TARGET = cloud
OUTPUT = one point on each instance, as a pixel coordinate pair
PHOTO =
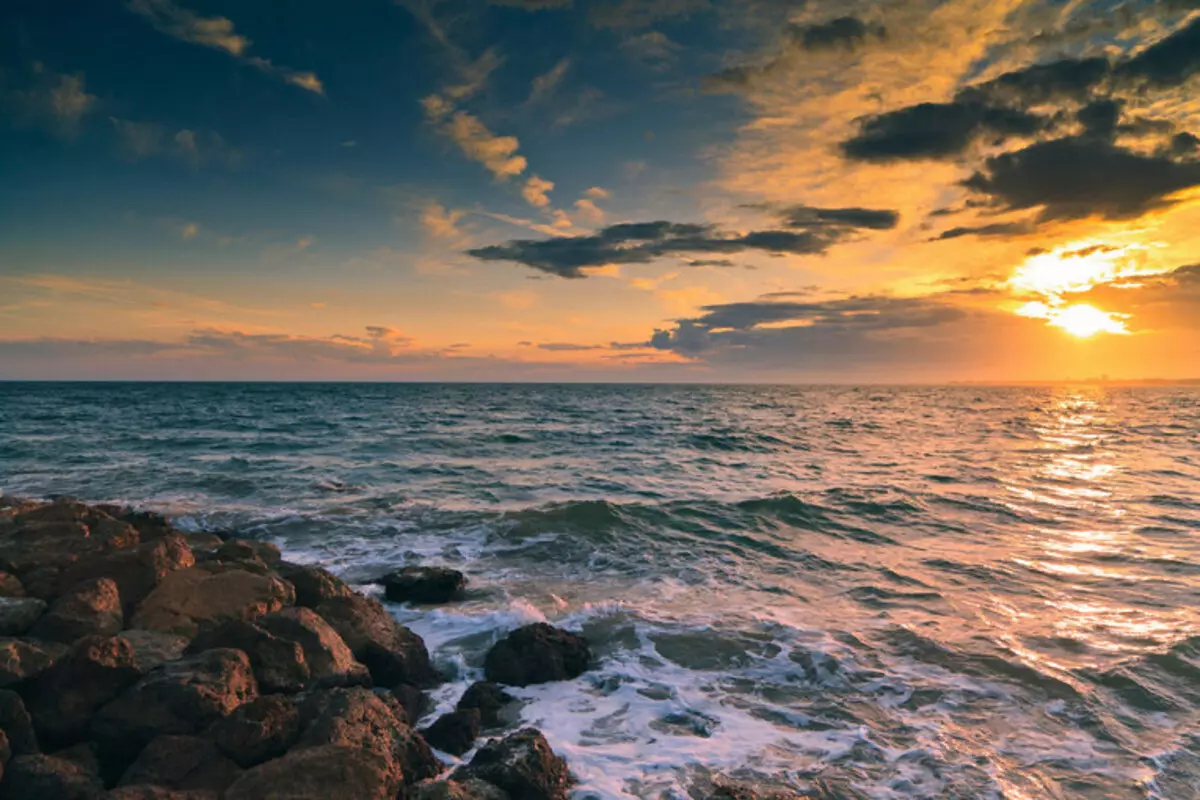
(56, 102)
(217, 33)
(532, 5)
(441, 222)
(936, 130)
(544, 85)
(843, 32)
(810, 217)
(1169, 62)
(497, 153)
(536, 191)
(991, 229)
(596, 193)
(138, 140)
(654, 48)
(633, 14)
(589, 212)
(567, 347)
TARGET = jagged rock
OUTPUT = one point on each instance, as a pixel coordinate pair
(364, 720)
(64, 698)
(206, 595)
(537, 653)
(150, 525)
(18, 614)
(5, 751)
(414, 701)
(425, 585)
(204, 541)
(342, 773)
(10, 585)
(522, 765)
(468, 789)
(181, 762)
(21, 661)
(257, 731)
(247, 550)
(314, 585)
(454, 733)
(90, 608)
(42, 776)
(152, 648)
(392, 653)
(489, 698)
(329, 659)
(144, 792)
(17, 723)
(279, 664)
(180, 697)
(136, 571)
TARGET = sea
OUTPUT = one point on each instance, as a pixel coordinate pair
(855, 592)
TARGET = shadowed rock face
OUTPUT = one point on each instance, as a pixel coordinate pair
(314, 585)
(424, 585)
(455, 732)
(537, 653)
(182, 762)
(91, 608)
(392, 653)
(489, 699)
(38, 776)
(18, 614)
(331, 771)
(522, 765)
(467, 789)
(258, 731)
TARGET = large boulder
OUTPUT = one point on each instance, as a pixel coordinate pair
(467, 789)
(248, 550)
(522, 765)
(21, 661)
(90, 608)
(392, 653)
(10, 585)
(537, 653)
(136, 571)
(144, 792)
(489, 699)
(330, 661)
(454, 733)
(38, 776)
(178, 698)
(18, 614)
(203, 596)
(18, 724)
(181, 762)
(150, 525)
(279, 664)
(64, 698)
(152, 648)
(257, 731)
(314, 585)
(414, 701)
(424, 585)
(317, 773)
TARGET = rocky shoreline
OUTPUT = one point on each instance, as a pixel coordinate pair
(139, 662)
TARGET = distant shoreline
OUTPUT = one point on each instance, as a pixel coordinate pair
(1113, 382)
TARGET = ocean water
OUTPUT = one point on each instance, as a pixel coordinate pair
(855, 592)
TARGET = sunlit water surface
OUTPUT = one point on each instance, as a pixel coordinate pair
(884, 593)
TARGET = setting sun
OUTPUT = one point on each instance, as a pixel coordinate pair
(1086, 321)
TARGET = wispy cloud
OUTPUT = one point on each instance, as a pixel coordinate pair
(137, 140)
(547, 83)
(53, 101)
(536, 191)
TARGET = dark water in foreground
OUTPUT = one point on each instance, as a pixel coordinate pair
(889, 593)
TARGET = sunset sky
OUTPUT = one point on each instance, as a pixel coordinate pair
(636, 190)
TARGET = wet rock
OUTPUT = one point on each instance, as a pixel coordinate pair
(150, 525)
(247, 550)
(278, 664)
(90, 608)
(22, 661)
(537, 653)
(414, 701)
(136, 571)
(42, 776)
(454, 733)
(178, 698)
(17, 723)
(330, 661)
(392, 653)
(469, 789)
(152, 648)
(522, 765)
(314, 585)
(424, 585)
(18, 614)
(257, 731)
(204, 542)
(144, 792)
(10, 585)
(490, 699)
(181, 762)
(330, 771)
(206, 595)
(63, 700)
(364, 720)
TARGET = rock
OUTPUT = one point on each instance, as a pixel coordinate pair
(22, 661)
(414, 701)
(10, 585)
(522, 765)
(246, 550)
(489, 698)
(537, 653)
(18, 614)
(364, 720)
(182, 762)
(454, 733)
(206, 595)
(137, 571)
(392, 653)
(316, 773)
(204, 541)
(257, 731)
(150, 525)
(144, 792)
(152, 648)
(41, 776)
(424, 585)
(180, 697)
(91, 608)
(63, 700)
(5, 751)
(468, 789)
(314, 585)
(278, 664)
(329, 659)
(17, 723)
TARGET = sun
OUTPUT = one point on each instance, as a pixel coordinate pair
(1084, 321)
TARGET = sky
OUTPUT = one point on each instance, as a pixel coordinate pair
(608, 190)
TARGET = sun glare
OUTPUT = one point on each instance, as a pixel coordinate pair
(1085, 321)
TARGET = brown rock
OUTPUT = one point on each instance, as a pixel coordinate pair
(392, 653)
(22, 661)
(424, 585)
(63, 700)
(319, 773)
(136, 571)
(144, 792)
(490, 699)
(181, 762)
(278, 664)
(5, 751)
(10, 585)
(247, 550)
(150, 525)
(90, 608)
(179, 697)
(314, 585)
(537, 653)
(468, 789)
(329, 659)
(152, 648)
(204, 541)
(258, 731)
(17, 723)
(206, 595)
(454, 733)
(414, 701)
(522, 765)
(41, 776)
(18, 614)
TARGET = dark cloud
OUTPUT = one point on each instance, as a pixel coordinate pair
(936, 130)
(811, 217)
(1065, 79)
(1168, 62)
(1078, 177)
(532, 5)
(1100, 118)
(567, 347)
(992, 229)
(846, 32)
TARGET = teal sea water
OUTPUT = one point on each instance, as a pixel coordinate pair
(865, 592)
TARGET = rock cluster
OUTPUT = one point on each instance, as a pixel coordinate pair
(138, 662)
